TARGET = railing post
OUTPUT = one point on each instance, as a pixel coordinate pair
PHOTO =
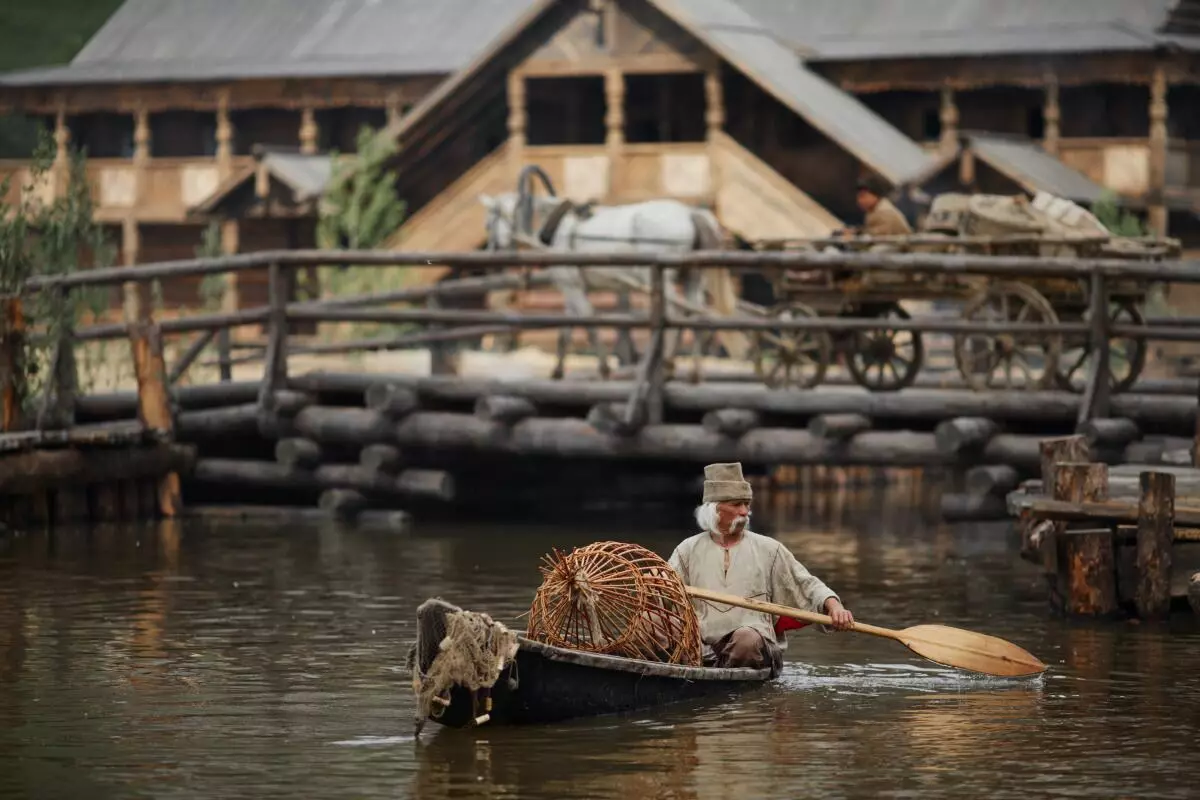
(1096, 397)
(154, 402)
(658, 319)
(275, 366)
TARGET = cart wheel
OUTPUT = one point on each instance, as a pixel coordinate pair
(1008, 360)
(883, 359)
(787, 358)
(1126, 356)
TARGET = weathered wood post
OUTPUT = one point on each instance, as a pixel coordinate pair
(154, 402)
(275, 364)
(658, 344)
(1056, 451)
(1096, 396)
(1087, 555)
(1155, 534)
(12, 362)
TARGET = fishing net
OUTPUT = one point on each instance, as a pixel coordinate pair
(456, 648)
(618, 599)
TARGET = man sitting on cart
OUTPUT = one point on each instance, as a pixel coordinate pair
(881, 217)
(726, 556)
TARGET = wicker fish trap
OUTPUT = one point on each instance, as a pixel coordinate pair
(618, 599)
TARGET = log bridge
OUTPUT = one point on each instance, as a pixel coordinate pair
(368, 447)
(1111, 540)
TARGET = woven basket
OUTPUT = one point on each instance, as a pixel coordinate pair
(618, 599)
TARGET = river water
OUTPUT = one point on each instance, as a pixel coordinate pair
(234, 661)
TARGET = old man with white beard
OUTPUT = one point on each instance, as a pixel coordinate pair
(726, 556)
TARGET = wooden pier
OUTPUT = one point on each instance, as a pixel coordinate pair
(1110, 540)
(361, 447)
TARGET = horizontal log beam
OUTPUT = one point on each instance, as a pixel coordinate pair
(909, 405)
(1178, 271)
(576, 438)
(376, 519)
(1110, 511)
(42, 469)
(433, 484)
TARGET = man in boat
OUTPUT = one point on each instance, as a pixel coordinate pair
(726, 556)
(880, 215)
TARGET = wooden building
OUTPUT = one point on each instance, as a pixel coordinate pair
(765, 110)
(171, 99)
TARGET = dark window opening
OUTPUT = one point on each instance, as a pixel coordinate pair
(1001, 109)
(271, 127)
(565, 110)
(1035, 123)
(103, 135)
(339, 127)
(931, 124)
(1105, 111)
(181, 134)
(665, 108)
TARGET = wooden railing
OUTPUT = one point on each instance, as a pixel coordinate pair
(445, 325)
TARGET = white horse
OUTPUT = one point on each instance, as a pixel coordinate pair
(654, 226)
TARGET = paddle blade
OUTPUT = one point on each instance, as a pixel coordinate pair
(977, 652)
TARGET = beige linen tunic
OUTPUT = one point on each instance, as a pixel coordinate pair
(760, 568)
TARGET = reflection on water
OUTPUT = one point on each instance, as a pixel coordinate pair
(247, 662)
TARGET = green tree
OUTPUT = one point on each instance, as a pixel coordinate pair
(359, 210)
(40, 238)
(1118, 219)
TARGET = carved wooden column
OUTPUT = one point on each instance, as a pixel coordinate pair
(309, 132)
(1156, 199)
(614, 122)
(714, 121)
(949, 120)
(393, 107)
(516, 123)
(1051, 116)
(224, 137)
(62, 143)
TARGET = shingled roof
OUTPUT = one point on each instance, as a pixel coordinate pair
(845, 30)
(196, 40)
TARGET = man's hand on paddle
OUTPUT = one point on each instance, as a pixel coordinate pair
(843, 620)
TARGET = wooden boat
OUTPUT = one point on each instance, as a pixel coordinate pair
(550, 684)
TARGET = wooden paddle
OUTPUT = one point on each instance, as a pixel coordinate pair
(951, 647)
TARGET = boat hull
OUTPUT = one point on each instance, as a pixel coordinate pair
(548, 684)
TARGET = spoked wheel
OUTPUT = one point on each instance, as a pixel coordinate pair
(792, 358)
(1008, 360)
(1126, 356)
(885, 359)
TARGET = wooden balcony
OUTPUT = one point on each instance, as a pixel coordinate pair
(640, 172)
(160, 191)
(1123, 165)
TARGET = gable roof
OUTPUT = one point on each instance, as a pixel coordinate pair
(840, 30)
(1023, 161)
(305, 177)
(193, 40)
(749, 47)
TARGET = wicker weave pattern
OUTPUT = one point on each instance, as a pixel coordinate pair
(615, 598)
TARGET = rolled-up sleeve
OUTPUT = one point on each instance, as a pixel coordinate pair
(793, 585)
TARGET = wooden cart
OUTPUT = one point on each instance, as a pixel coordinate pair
(888, 360)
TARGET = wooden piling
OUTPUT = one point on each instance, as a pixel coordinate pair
(1155, 533)
(1087, 556)
(1193, 593)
